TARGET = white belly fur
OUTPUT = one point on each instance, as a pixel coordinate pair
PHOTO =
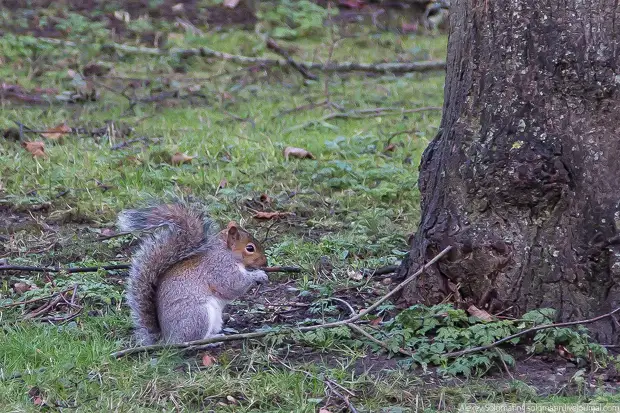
(214, 308)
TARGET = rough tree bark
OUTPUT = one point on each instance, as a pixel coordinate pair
(523, 178)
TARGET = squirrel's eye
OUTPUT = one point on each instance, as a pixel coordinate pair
(250, 248)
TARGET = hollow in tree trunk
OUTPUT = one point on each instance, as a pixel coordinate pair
(523, 178)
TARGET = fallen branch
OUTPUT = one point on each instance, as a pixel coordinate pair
(23, 268)
(380, 271)
(272, 45)
(529, 330)
(362, 114)
(73, 270)
(384, 68)
(287, 331)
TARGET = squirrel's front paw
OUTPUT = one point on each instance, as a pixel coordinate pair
(260, 276)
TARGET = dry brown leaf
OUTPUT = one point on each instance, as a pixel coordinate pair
(386, 281)
(481, 314)
(271, 215)
(265, 199)
(57, 132)
(122, 16)
(297, 153)
(231, 4)
(223, 183)
(376, 321)
(208, 360)
(181, 158)
(37, 149)
(354, 275)
(231, 400)
(107, 232)
(389, 148)
(21, 288)
(324, 410)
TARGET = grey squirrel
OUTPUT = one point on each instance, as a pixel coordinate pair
(183, 275)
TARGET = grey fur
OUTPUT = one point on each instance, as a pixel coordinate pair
(168, 301)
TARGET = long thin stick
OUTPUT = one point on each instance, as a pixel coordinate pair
(110, 268)
(290, 330)
(68, 270)
(529, 330)
(395, 67)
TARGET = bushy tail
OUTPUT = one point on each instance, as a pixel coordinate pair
(180, 233)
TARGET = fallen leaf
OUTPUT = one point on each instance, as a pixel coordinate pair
(181, 158)
(481, 314)
(208, 360)
(223, 183)
(355, 275)
(271, 215)
(265, 199)
(122, 16)
(35, 396)
(409, 27)
(389, 148)
(231, 400)
(297, 153)
(37, 149)
(96, 69)
(324, 410)
(376, 321)
(107, 232)
(352, 4)
(57, 132)
(21, 288)
(386, 281)
(231, 4)
(178, 7)
(563, 352)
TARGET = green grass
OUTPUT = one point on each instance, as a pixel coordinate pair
(354, 204)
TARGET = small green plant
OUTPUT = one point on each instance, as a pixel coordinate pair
(432, 332)
(291, 19)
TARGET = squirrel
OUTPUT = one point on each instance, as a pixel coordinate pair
(183, 275)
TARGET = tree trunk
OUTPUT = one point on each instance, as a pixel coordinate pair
(523, 178)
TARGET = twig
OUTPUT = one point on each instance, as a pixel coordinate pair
(19, 375)
(67, 270)
(499, 353)
(380, 271)
(344, 398)
(281, 269)
(233, 337)
(529, 330)
(345, 303)
(34, 300)
(271, 44)
(384, 68)
(360, 330)
(362, 114)
(130, 141)
(110, 268)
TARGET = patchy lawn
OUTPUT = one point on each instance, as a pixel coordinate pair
(351, 207)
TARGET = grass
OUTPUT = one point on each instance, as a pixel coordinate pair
(354, 205)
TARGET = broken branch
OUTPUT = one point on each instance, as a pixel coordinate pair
(24, 268)
(382, 68)
(528, 331)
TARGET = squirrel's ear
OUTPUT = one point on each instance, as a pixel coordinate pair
(233, 234)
